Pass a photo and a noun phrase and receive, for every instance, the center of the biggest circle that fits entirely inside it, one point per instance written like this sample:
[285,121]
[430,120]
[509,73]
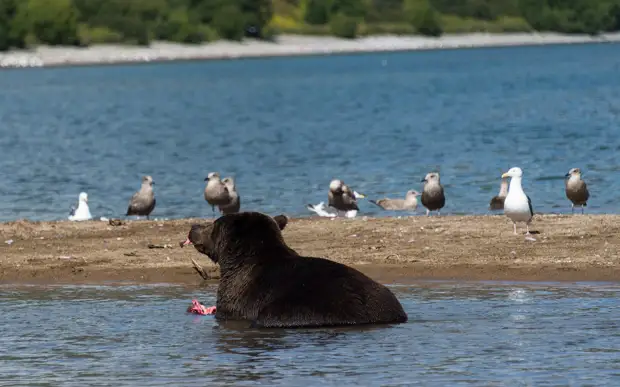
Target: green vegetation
[83,22]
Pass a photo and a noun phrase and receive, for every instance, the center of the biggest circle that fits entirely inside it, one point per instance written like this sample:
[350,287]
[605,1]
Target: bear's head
[242,234]
[200,236]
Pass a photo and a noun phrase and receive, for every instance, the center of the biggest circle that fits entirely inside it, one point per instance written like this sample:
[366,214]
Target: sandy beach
[567,248]
[285,45]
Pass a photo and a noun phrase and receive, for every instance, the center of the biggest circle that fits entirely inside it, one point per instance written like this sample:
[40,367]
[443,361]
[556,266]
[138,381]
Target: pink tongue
[187,242]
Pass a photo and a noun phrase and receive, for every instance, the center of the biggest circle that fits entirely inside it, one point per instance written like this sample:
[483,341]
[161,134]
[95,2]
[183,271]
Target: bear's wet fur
[268,283]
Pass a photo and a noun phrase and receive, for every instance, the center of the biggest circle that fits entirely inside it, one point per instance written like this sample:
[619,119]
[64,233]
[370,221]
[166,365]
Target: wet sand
[568,248]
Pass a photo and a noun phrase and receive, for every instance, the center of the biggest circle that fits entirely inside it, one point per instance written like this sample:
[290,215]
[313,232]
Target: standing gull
[517,205]
[497,203]
[343,198]
[143,202]
[216,193]
[410,202]
[234,202]
[576,189]
[82,212]
[432,195]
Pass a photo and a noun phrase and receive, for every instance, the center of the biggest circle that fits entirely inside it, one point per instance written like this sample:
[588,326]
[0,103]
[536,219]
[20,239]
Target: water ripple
[503,334]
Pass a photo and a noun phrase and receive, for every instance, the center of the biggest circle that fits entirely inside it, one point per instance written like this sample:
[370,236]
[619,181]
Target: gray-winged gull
[433,197]
[497,203]
[234,200]
[576,189]
[341,198]
[142,202]
[410,202]
[216,193]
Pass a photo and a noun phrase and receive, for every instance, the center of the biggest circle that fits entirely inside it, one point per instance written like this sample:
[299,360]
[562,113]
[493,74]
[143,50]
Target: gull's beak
[423,180]
[504,175]
[567,175]
[359,195]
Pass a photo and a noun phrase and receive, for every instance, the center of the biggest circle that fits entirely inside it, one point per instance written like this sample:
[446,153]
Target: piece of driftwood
[116,222]
[166,246]
[202,272]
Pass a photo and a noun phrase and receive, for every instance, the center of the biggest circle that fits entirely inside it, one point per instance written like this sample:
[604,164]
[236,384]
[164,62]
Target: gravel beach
[285,45]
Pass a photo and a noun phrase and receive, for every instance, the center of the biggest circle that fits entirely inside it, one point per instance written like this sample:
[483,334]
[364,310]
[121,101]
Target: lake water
[458,334]
[285,127]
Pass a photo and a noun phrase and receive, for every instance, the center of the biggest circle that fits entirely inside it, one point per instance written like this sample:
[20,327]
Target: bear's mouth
[185,243]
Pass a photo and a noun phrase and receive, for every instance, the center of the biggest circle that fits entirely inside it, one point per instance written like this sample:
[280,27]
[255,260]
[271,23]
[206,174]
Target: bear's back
[296,291]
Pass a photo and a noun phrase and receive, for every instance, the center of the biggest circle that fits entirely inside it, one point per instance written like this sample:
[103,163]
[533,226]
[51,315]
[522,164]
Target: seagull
[410,202]
[234,200]
[341,197]
[82,212]
[497,203]
[320,210]
[216,192]
[433,197]
[517,205]
[576,189]
[142,202]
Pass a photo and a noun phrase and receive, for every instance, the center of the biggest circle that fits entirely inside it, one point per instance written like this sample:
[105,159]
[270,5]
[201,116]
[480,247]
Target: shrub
[98,35]
[11,34]
[386,29]
[51,22]
[343,26]
[229,22]
[178,28]
[423,17]
[317,12]
[208,33]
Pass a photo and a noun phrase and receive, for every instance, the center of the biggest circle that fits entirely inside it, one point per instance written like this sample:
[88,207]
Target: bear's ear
[281,220]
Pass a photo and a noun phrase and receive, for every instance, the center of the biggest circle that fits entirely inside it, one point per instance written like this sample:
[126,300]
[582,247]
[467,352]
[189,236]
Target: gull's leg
[428,212]
[582,206]
[572,208]
[527,228]
[514,227]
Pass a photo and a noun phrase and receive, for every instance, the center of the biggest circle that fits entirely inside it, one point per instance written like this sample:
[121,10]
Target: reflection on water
[499,334]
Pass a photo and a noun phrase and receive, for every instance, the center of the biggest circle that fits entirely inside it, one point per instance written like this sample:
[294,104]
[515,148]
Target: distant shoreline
[284,46]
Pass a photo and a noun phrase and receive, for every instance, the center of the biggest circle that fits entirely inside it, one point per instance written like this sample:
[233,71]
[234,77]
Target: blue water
[285,127]
[458,334]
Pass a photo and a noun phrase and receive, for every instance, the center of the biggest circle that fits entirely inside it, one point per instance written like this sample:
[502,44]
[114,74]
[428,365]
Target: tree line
[26,23]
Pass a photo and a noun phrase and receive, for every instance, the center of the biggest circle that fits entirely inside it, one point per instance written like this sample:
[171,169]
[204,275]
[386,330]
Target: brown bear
[268,283]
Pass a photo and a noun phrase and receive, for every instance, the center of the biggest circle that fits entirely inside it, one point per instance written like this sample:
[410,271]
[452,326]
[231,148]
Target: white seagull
[517,205]
[328,212]
[82,212]
[321,210]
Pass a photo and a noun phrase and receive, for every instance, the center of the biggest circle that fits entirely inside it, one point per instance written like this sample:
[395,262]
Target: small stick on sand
[202,272]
